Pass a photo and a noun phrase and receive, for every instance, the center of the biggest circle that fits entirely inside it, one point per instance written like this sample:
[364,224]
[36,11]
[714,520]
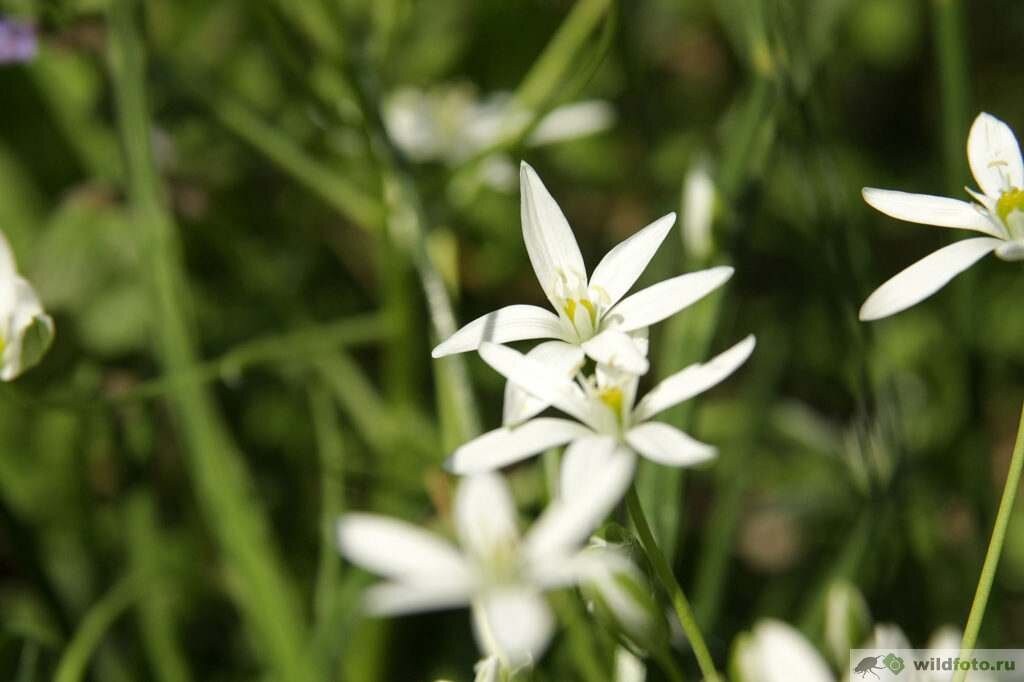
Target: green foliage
[247,276]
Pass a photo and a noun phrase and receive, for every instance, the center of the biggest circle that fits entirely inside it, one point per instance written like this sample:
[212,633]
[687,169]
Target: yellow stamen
[585,302]
[1010,201]
[612,397]
[570,309]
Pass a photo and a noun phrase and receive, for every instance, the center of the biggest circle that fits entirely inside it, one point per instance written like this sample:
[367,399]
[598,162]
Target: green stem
[97,621]
[331,451]
[947,23]
[588,662]
[668,664]
[299,344]
[157,611]
[224,488]
[995,549]
[671,585]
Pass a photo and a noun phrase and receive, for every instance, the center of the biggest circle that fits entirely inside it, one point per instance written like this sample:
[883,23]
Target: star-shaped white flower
[501,574]
[610,430]
[25,330]
[591,311]
[995,160]
[451,123]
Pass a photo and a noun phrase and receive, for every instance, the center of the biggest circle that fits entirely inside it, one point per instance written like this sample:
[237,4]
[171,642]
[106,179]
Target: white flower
[497,571]
[698,212]
[995,160]
[628,668]
[591,312]
[488,670]
[451,123]
[26,331]
[610,429]
[776,652]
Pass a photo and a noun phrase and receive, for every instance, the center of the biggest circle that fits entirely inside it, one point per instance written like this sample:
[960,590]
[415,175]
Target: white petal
[572,121]
[511,323]
[390,599]
[26,329]
[931,210]
[485,515]
[994,155]
[504,446]
[488,670]
[619,270]
[668,445]
[698,212]
[549,240]
[537,379]
[513,623]
[666,298]
[925,277]
[569,521]
[693,380]
[563,358]
[397,549]
[777,652]
[1011,251]
[617,349]
[583,459]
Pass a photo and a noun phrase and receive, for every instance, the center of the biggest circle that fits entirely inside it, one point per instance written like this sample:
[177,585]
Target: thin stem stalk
[668,581]
[995,549]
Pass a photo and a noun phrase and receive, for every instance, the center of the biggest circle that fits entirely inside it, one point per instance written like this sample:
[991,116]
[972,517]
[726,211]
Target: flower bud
[617,593]
[776,652]
[847,620]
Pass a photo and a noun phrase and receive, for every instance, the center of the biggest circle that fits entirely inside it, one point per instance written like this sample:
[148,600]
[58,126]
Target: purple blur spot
[18,42]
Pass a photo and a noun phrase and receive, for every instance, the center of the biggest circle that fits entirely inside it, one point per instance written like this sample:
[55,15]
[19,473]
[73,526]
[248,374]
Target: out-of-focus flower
[628,668]
[776,652]
[497,571]
[18,42]
[620,596]
[488,670]
[592,315]
[847,620]
[26,331]
[610,430]
[451,123]
[698,212]
[995,160]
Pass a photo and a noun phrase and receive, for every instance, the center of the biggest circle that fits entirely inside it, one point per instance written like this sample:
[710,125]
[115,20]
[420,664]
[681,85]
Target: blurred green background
[234,253]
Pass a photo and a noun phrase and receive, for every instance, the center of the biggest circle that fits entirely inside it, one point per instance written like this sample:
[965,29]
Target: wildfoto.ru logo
[983,665]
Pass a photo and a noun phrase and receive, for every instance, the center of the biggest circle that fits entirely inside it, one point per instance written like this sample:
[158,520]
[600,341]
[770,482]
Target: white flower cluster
[589,366]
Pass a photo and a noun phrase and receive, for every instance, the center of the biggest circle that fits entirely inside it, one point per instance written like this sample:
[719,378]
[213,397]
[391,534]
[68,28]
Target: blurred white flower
[592,314]
[776,652]
[610,430]
[995,160]
[628,668]
[451,123]
[488,670]
[26,331]
[698,212]
[619,594]
[501,574]
[847,620]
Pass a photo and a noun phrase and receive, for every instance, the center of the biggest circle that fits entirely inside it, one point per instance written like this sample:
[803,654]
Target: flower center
[612,397]
[1009,201]
[572,305]
[502,562]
